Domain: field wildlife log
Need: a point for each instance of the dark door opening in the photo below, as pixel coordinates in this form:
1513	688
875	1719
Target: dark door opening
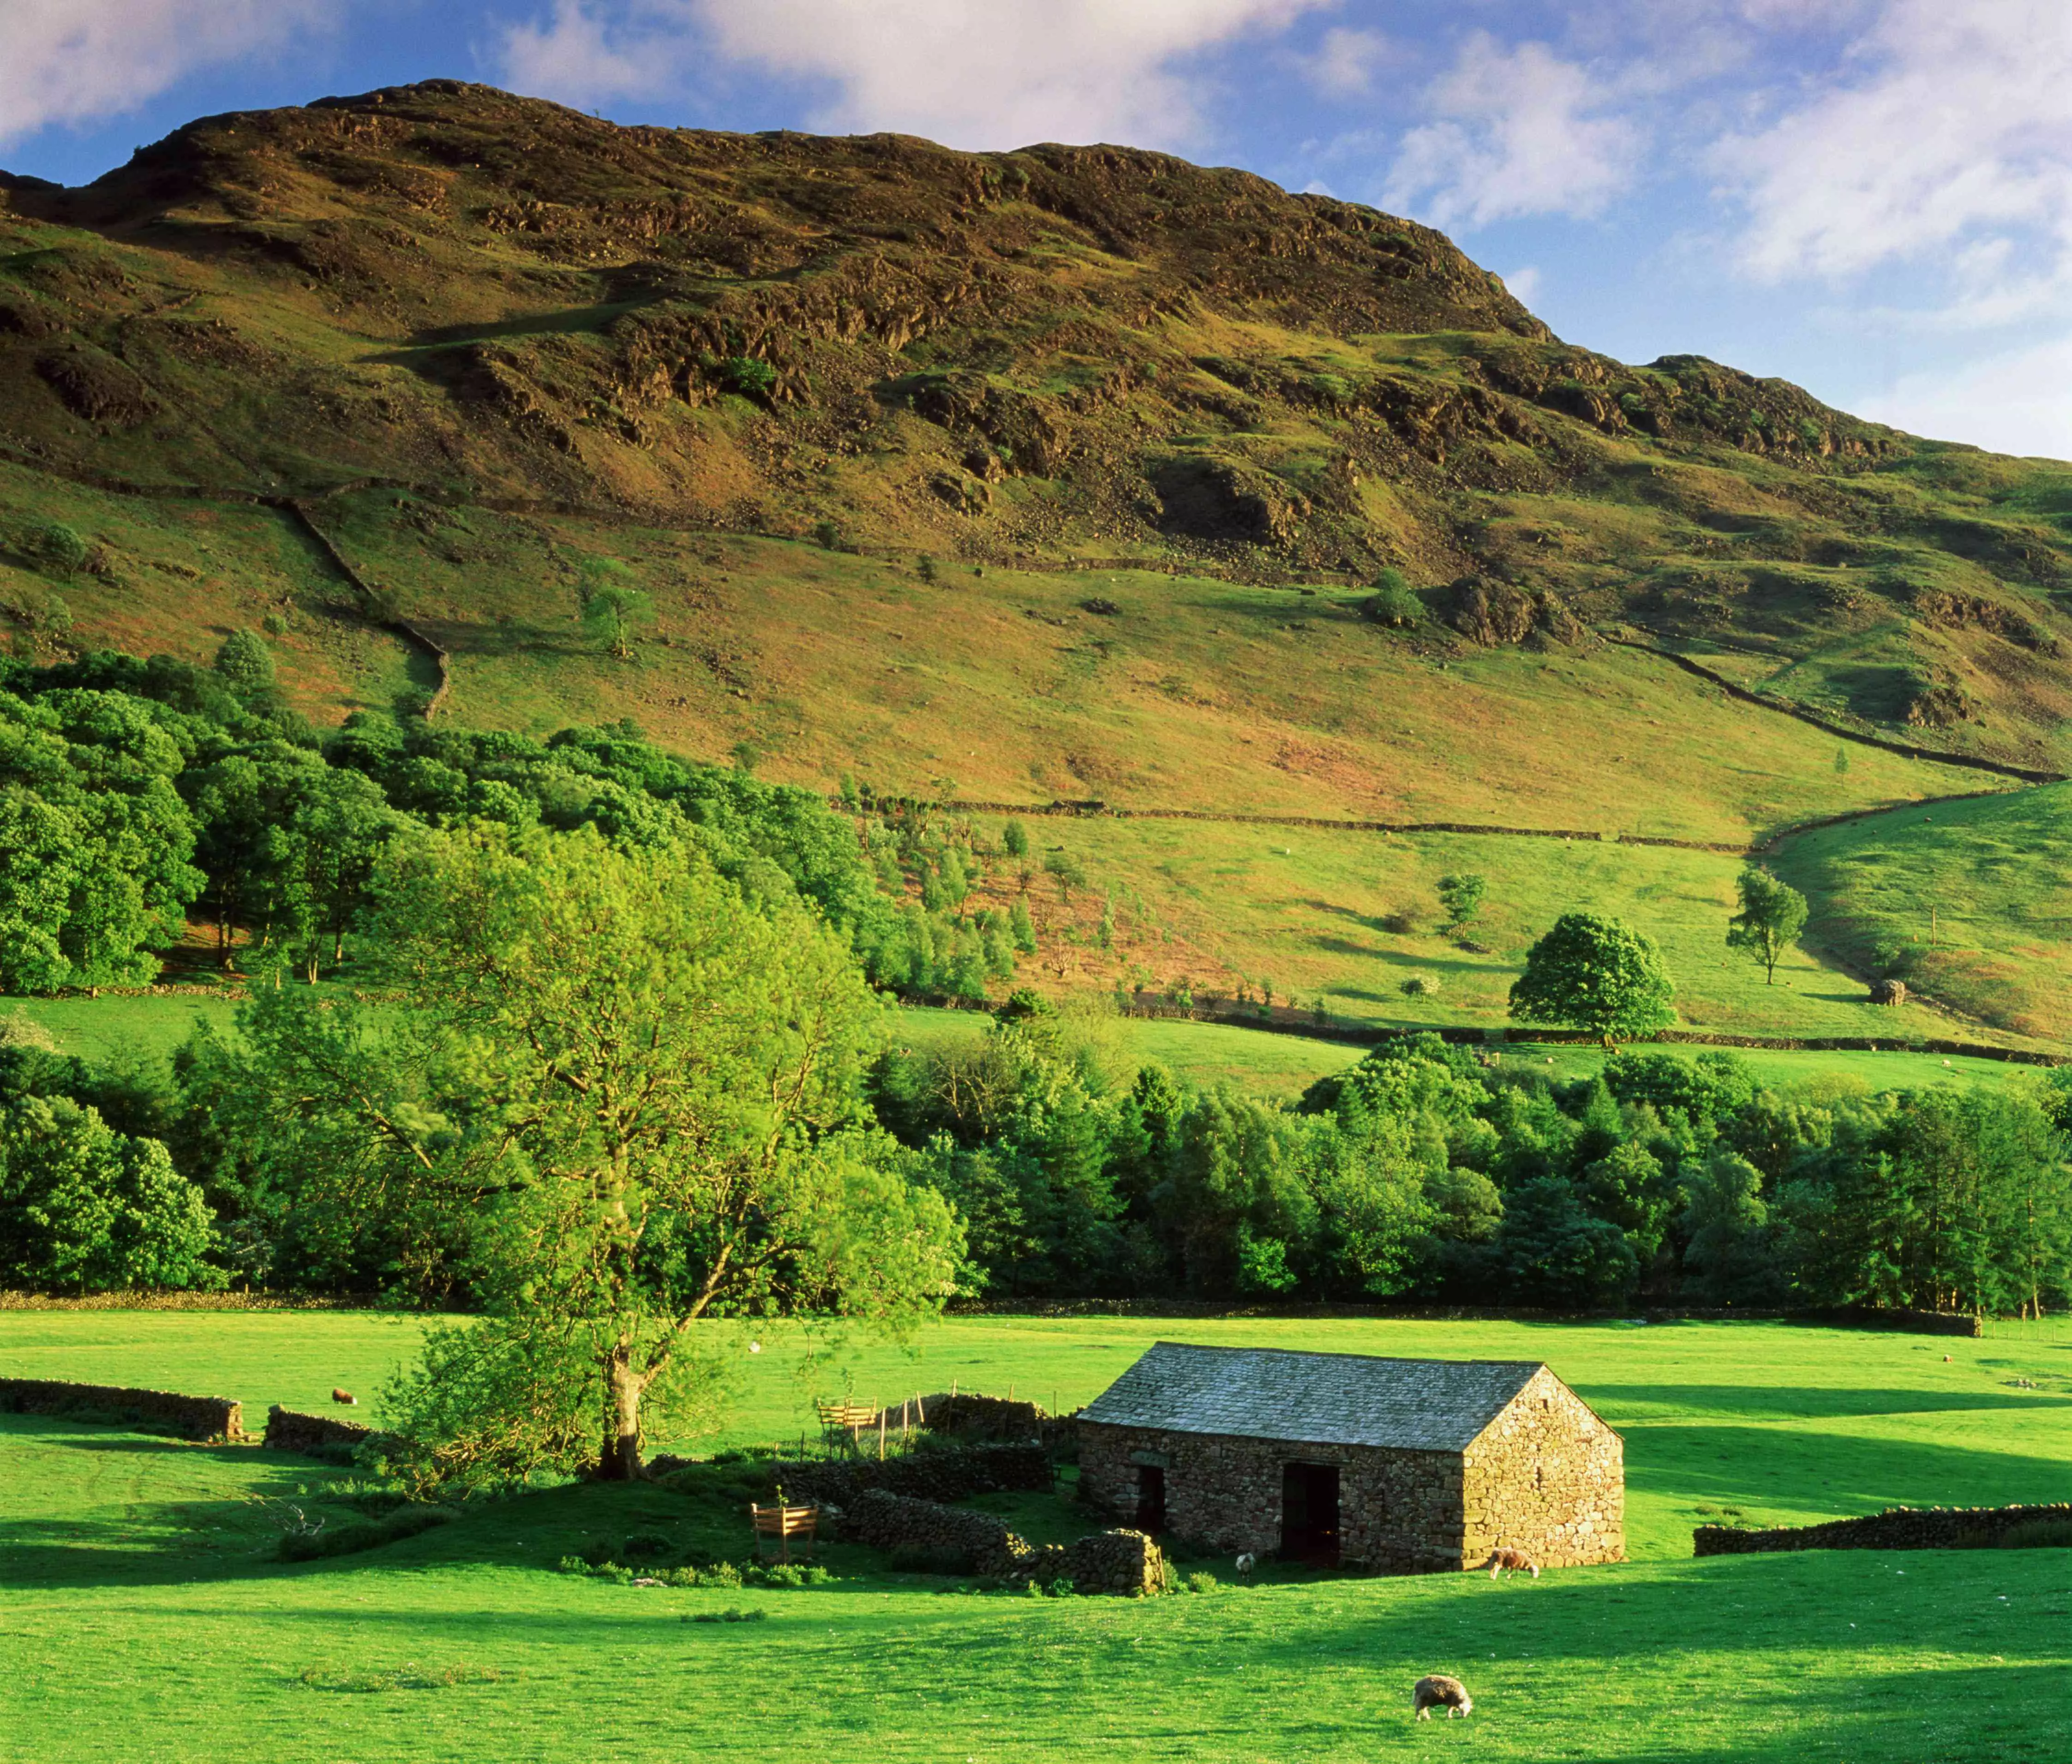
1309	1514
1150	1499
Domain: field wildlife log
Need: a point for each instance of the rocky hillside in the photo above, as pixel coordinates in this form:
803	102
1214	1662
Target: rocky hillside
479	302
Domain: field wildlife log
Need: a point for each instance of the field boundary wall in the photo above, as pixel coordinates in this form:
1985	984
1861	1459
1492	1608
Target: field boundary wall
191	1417
1897	1527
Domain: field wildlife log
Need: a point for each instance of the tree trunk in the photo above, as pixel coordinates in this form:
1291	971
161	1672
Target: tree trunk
619	1461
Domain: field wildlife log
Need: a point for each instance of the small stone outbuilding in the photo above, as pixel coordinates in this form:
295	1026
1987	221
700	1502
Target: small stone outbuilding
1414	1466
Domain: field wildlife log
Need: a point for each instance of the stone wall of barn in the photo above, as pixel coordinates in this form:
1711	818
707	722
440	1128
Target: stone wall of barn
1549	1478
1397	1509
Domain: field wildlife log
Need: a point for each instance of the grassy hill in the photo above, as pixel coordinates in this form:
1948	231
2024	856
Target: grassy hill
1014	477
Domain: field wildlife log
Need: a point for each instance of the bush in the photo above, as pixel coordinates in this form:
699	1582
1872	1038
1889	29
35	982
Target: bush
731	1615
59	550
1420	986
1392	602
752	379
1202	1583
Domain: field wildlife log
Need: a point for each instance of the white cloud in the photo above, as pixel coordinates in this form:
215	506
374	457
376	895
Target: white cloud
1345	61
992	73
2014	402
1524	284
1517	131
1946	137
579	59
82	61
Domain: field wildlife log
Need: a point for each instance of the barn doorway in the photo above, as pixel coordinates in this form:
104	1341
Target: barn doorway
1309	1514
1150	1499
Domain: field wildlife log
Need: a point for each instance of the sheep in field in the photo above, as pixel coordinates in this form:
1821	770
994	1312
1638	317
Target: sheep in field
1437	1691
337	1396
1246	1563
1515	1560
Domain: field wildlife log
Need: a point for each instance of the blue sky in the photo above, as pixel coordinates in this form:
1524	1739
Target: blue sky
1871	197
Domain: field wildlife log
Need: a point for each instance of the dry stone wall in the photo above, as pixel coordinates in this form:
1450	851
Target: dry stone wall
191	1417
1124	1563
289	1430
1897	1527
1546	1477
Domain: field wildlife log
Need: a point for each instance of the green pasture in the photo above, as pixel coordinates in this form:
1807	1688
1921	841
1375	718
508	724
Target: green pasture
1969	902
116	1030
147	1619
1267	1063
1350	918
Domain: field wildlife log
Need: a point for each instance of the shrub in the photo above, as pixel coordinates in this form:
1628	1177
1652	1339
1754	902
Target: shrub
1392	602
752	379
1421	985
731	1615
1202	1583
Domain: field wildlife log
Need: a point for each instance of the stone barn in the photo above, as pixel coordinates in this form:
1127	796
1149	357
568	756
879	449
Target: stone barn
1410	1464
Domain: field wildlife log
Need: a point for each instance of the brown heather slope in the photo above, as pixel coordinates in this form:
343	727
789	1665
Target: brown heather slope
1036	355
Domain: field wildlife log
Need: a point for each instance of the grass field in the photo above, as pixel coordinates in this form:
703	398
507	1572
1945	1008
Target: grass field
127	1560
1319	914
1969	901
1269	1064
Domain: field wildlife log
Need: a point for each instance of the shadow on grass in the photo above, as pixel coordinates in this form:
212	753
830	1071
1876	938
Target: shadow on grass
1749	1401
1837	1474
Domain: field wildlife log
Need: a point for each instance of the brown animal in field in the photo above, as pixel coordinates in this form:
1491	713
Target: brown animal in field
1516	1561
337	1396
1437	1691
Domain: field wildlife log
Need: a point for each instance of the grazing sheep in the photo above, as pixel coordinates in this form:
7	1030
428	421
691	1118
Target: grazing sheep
1516	1561
337	1396
1246	1563
1437	1691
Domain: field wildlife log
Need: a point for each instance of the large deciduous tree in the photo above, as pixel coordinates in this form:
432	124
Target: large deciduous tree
641	1094
1597	974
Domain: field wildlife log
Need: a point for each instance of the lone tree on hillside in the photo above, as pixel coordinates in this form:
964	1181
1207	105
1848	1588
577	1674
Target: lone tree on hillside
1595	973
1772	915
631	1101
1462	896
612	607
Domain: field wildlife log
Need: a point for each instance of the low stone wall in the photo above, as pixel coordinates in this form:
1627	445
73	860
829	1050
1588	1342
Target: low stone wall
991	1417
289	1430
944	1473
1123	1563
191	1417
1897	1527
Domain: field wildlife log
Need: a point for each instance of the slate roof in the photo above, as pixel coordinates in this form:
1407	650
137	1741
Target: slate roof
1432	1405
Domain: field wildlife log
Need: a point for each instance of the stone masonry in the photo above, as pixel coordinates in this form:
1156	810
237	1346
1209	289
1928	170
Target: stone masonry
1437	1462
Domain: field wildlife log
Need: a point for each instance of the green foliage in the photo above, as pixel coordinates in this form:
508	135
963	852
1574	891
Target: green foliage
1014	840
1461	897
245	664
613	608
58	549
1772	915
1594	973
641	1089
1393	602
85	1209
749	377
94	841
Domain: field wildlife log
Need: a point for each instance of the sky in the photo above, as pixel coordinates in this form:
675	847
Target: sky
1872	198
